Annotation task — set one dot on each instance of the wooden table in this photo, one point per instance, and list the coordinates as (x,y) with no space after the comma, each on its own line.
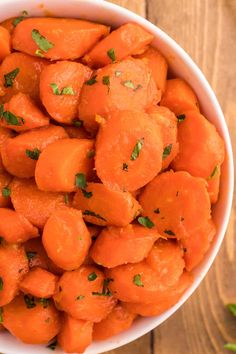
(206,29)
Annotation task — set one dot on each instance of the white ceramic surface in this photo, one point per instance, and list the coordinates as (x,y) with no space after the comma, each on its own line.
(182,66)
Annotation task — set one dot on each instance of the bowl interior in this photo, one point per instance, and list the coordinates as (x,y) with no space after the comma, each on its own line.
(182,66)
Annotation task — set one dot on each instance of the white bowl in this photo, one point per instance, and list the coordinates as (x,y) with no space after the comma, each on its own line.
(182,66)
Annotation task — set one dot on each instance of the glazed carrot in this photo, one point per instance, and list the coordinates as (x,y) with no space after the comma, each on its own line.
(164,301)
(75,335)
(213,186)
(5,190)
(34,204)
(30,321)
(39,282)
(8,24)
(13,267)
(77,132)
(179,97)
(196,245)
(89,298)
(127,85)
(166,258)
(60,87)
(66,238)
(4,135)
(61,165)
(20,72)
(103,206)
(172,200)
(115,246)
(201,149)
(117,321)
(128,155)
(14,227)
(27,114)
(57,38)
(167,122)
(158,65)
(5,43)
(20,154)
(120,43)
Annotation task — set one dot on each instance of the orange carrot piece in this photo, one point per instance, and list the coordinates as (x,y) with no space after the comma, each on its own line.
(5,191)
(8,24)
(5,43)
(4,135)
(213,186)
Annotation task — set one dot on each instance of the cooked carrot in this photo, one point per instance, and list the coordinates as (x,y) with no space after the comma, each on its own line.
(4,135)
(20,72)
(61,165)
(172,200)
(57,38)
(30,320)
(213,186)
(124,41)
(158,65)
(5,43)
(103,206)
(8,24)
(66,238)
(167,122)
(39,282)
(197,243)
(2,328)
(201,149)
(129,150)
(117,321)
(164,301)
(20,154)
(77,132)
(75,335)
(89,298)
(13,267)
(179,97)
(127,85)
(166,258)
(15,228)
(26,114)
(5,190)
(34,204)
(60,87)
(115,246)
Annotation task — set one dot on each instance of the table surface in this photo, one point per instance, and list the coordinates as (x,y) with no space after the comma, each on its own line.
(206,29)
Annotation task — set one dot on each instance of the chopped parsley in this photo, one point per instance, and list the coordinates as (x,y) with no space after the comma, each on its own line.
(77,123)
(42,42)
(105,289)
(137,149)
(169,232)
(66,198)
(91,154)
(146,222)
(138,87)
(167,151)
(106,80)
(52,345)
(19,19)
(1,317)
(91,213)
(30,255)
(39,53)
(29,301)
(65,91)
(137,280)
(129,84)
(92,276)
(87,194)
(6,192)
(45,302)
(181,117)
(214,172)
(125,167)
(91,81)
(33,154)
(80,180)
(157,211)
(232,308)
(1,284)
(118,73)
(80,297)
(111,54)
(10,77)
(10,118)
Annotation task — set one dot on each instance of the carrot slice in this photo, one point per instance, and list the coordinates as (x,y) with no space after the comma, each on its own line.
(179,97)
(120,43)
(213,185)
(115,246)
(117,321)
(128,155)
(4,135)
(75,335)
(43,37)
(89,298)
(5,43)
(30,320)
(8,24)
(172,200)
(13,267)
(5,190)
(127,85)
(60,87)
(103,206)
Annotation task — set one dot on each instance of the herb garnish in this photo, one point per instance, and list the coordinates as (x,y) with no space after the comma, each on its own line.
(214,172)
(91,213)
(45,302)
(87,194)
(111,54)
(30,255)
(6,192)
(137,280)
(181,117)
(167,151)
(66,198)
(29,301)
(19,19)
(105,290)
(169,232)
(80,180)
(42,42)
(137,149)
(129,84)
(10,77)
(80,297)
(91,81)
(106,80)
(125,167)
(33,154)
(1,284)
(77,123)
(9,117)
(118,73)
(92,276)
(65,91)
(91,154)
(146,222)
(52,345)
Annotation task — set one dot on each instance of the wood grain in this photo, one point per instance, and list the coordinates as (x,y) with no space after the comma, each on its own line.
(206,29)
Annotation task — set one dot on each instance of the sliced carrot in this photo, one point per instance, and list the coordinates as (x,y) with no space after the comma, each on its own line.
(34,204)
(13,267)
(4,135)
(8,24)
(179,97)
(167,122)
(78,37)
(120,43)
(213,186)
(15,228)
(5,191)
(127,85)
(158,65)
(39,282)
(77,132)
(30,320)
(60,162)
(5,43)
(115,246)
(128,155)
(66,238)
(60,87)
(20,154)
(117,321)
(103,206)
(89,298)
(75,335)
(172,200)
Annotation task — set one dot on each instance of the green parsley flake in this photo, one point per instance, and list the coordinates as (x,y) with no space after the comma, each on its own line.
(19,19)
(1,284)
(138,87)
(137,280)
(214,172)
(9,117)
(169,232)
(137,149)
(232,308)
(91,213)
(129,84)
(10,77)
(39,53)
(146,222)
(118,73)
(43,44)
(33,154)
(30,255)
(65,91)
(91,81)
(230,346)
(91,154)
(167,151)
(29,301)
(105,289)
(45,302)
(111,54)
(87,194)
(6,192)
(106,80)
(78,123)
(66,198)
(80,180)
(80,297)
(181,117)
(92,276)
